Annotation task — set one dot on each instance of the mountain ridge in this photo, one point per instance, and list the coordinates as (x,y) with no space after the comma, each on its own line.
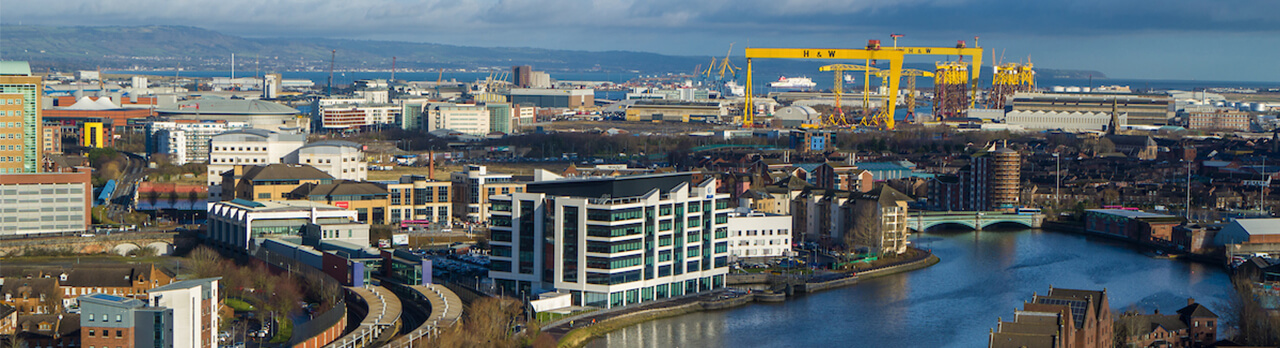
(66,48)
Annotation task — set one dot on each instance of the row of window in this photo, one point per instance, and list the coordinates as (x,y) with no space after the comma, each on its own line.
(107,334)
(106,318)
(10,124)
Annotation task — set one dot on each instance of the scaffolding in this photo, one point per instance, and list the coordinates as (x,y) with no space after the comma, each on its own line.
(1010,78)
(950,89)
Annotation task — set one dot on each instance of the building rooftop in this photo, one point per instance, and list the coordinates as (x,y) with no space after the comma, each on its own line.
(114,301)
(339,188)
(185,284)
(1020,340)
(334,143)
(612,187)
(1132,214)
(286,205)
(280,171)
(15,68)
(217,106)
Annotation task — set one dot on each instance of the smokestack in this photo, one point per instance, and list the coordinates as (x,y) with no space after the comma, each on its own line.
(431,165)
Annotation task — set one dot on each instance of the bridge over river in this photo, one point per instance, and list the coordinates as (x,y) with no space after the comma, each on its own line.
(977,220)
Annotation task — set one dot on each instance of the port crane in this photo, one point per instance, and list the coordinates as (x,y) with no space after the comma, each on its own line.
(871,53)
(837,118)
(910,99)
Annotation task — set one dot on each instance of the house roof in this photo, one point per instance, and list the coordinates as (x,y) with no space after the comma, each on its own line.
(32,287)
(1020,340)
(1149,323)
(62,325)
(339,188)
(883,194)
(1029,328)
(1094,296)
(1196,310)
(104,276)
(280,171)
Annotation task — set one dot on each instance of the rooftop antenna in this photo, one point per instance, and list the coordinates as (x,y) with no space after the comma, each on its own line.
(332,55)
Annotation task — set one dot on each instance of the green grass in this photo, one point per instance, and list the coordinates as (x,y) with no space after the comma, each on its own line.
(285,332)
(239,305)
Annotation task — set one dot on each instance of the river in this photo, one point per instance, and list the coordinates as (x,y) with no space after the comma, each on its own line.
(982,276)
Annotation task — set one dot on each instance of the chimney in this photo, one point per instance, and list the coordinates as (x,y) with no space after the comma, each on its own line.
(1191,301)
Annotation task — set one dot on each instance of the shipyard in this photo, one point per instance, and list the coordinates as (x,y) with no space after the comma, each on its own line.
(660,175)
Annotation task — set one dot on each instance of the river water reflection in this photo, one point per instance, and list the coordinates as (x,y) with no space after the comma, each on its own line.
(983,276)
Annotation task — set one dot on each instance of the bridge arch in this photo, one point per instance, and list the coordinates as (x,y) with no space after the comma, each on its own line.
(162,248)
(123,249)
(931,224)
(1023,223)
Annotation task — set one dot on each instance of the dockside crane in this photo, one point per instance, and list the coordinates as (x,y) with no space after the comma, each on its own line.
(910,98)
(837,117)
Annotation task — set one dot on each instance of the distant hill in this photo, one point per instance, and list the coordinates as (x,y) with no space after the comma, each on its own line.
(166,47)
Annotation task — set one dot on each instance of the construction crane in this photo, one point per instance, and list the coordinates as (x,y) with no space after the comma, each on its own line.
(837,117)
(910,99)
(439,79)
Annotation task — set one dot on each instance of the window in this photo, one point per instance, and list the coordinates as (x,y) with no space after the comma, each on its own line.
(119,333)
(118,319)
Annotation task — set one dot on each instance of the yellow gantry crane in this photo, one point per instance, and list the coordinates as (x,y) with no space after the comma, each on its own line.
(837,117)
(910,99)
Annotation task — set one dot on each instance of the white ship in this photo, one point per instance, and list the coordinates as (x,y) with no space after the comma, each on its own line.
(793,83)
(734,88)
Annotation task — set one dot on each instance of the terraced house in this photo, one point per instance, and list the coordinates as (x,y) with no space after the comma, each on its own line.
(610,242)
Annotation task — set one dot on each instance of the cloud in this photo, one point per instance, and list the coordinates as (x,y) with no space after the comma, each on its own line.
(514,17)
(1043,28)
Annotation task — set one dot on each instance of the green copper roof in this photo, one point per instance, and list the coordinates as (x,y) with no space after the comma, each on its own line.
(11,68)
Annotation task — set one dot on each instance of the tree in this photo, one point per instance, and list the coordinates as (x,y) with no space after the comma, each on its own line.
(488,323)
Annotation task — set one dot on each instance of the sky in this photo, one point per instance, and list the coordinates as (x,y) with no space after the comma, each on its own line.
(1233,40)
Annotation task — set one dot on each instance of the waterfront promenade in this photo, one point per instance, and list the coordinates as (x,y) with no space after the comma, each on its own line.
(577,330)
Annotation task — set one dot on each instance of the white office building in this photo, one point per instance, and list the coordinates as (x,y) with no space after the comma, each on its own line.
(241,224)
(468,119)
(187,141)
(341,159)
(257,147)
(759,235)
(610,242)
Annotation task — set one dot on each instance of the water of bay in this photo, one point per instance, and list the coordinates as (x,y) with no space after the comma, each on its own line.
(983,276)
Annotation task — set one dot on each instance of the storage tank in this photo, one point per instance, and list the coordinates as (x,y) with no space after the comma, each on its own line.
(1059,89)
(1219,103)
(1085,89)
(1073,89)
(1260,107)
